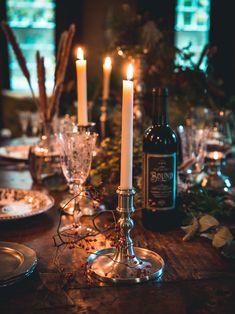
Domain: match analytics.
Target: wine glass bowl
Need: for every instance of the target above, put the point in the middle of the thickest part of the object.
(193, 150)
(219, 139)
(218, 145)
(76, 156)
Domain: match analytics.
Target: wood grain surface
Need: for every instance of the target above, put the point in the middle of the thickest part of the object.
(197, 279)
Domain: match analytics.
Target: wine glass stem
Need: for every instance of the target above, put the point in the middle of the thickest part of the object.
(77, 211)
(24, 129)
(71, 190)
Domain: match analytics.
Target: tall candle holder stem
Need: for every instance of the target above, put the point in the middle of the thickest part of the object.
(125, 263)
(103, 117)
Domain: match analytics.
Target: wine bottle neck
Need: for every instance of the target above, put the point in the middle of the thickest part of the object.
(160, 110)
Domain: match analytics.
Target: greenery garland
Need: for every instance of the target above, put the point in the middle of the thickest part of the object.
(193, 201)
(130, 34)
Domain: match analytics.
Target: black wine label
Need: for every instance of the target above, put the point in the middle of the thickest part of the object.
(159, 181)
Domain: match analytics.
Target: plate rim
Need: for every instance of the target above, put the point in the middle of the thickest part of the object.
(30, 260)
(7, 156)
(29, 214)
(14, 280)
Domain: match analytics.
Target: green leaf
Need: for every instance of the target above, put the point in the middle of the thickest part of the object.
(207, 235)
(96, 180)
(206, 222)
(191, 230)
(229, 249)
(221, 237)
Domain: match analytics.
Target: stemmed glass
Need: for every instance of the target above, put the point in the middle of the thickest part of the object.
(218, 145)
(76, 149)
(35, 123)
(24, 121)
(219, 138)
(193, 149)
(66, 124)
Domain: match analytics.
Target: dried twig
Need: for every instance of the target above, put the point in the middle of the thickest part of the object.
(204, 53)
(47, 108)
(65, 55)
(18, 53)
(54, 101)
(61, 45)
(41, 84)
(64, 49)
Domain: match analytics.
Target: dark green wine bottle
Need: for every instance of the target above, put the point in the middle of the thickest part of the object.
(160, 168)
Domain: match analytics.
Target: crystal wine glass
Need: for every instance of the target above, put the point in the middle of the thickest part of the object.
(193, 150)
(76, 150)
(218, 145)
(219, 138)
(35, 123)
(24, 121)
(64, 125)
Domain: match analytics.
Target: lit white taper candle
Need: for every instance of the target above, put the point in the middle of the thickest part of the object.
(127, 131)
(107, 68)
(81, 88)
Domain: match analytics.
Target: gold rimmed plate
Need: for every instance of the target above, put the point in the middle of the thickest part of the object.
(17, 203)
(17, 261)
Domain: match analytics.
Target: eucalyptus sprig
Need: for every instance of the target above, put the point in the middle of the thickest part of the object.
(207, 226)
(106, 168)
(196, 200)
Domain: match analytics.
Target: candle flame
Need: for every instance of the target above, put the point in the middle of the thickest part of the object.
(107, 62)
(130, 72)
(120, 53)
(216, 155)
(80, 54)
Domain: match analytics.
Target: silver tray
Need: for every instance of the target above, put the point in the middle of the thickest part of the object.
(17, 261)
(18, 152)
(17, 204)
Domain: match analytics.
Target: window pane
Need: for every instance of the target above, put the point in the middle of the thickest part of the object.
(192, 28)
(33, 23)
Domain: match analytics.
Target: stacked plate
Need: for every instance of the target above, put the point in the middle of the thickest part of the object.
(17, 262)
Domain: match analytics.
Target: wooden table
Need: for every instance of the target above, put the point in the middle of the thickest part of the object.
(197, 278)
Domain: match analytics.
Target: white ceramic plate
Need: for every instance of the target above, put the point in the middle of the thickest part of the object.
(17, 204)
(18, 152)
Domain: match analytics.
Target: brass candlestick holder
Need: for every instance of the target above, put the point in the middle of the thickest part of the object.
(125, 264)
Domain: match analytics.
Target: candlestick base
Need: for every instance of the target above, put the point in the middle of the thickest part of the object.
(107, 266)
(125, 264)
